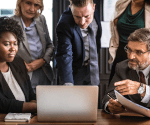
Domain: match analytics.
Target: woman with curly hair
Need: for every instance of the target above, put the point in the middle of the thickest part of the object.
(129, 15)
(36, 49)
(16, 93)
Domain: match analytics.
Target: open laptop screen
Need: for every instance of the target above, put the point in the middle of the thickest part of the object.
(67, 103)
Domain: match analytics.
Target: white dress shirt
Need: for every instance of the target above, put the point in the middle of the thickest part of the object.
(146, 71)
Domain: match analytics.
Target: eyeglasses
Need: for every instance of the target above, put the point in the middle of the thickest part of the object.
(137, 52)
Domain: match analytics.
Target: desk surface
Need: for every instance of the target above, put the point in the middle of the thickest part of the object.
(102, 119)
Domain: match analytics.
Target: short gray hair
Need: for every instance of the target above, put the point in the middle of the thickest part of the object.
(141, 35)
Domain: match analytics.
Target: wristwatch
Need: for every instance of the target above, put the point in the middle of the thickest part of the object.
(141, 89)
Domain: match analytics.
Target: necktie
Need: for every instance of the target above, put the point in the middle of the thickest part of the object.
(94, 69)
(142, 78)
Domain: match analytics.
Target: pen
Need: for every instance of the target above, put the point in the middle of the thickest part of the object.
(114, 99)
(111, 97)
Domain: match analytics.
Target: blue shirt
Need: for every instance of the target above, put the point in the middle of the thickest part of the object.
(34, 41)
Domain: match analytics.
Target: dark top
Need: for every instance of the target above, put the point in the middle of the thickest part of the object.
(8, 103)
(128, 23)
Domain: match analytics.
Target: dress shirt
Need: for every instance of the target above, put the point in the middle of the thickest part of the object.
(84, 33)
(146, 71)
(34, 41)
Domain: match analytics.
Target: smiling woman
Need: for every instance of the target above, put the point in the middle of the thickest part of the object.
(16, 93)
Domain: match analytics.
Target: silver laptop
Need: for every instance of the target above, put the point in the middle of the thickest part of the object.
(67, 103)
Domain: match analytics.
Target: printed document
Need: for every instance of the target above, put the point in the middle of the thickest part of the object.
(131, 105)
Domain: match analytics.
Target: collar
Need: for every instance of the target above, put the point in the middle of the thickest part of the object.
(85, 31)
(145, 71)
(31, 25)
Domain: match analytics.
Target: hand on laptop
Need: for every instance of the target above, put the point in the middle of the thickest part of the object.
(115, 107)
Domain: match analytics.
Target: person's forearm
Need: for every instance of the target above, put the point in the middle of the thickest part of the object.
(38, 63)
(29, 107)
(34, 65)
(33, 101)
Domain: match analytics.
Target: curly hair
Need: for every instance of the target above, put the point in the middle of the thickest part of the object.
(18, 8)
(9, 25)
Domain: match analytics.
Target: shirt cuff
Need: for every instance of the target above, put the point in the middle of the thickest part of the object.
(105, 107)
(147, 95)
(69, 84)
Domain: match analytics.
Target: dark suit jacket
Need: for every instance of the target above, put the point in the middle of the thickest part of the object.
(123, 72)
(47, 45)
(70, 50)
(8, 103)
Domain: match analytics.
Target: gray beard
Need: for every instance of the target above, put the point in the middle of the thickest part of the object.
(139, 66)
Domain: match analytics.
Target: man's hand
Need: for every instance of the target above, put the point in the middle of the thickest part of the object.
(34, 64)
(115, 107)
(127, 87)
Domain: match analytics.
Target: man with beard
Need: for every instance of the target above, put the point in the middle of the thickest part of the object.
(131, 77)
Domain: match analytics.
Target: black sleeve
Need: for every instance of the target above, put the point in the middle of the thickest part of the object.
(9, 105)
(111, 86)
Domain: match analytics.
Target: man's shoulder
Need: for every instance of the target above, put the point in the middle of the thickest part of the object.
(123, 64)
(67, 18)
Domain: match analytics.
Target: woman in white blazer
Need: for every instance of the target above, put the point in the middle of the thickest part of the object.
(37, 48)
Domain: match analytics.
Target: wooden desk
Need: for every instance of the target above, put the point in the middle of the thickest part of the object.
(102, 119)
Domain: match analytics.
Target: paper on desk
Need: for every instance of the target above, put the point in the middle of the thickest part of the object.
(131, 105)
(17, 117)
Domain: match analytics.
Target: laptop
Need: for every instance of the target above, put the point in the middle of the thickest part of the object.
(67, 103)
